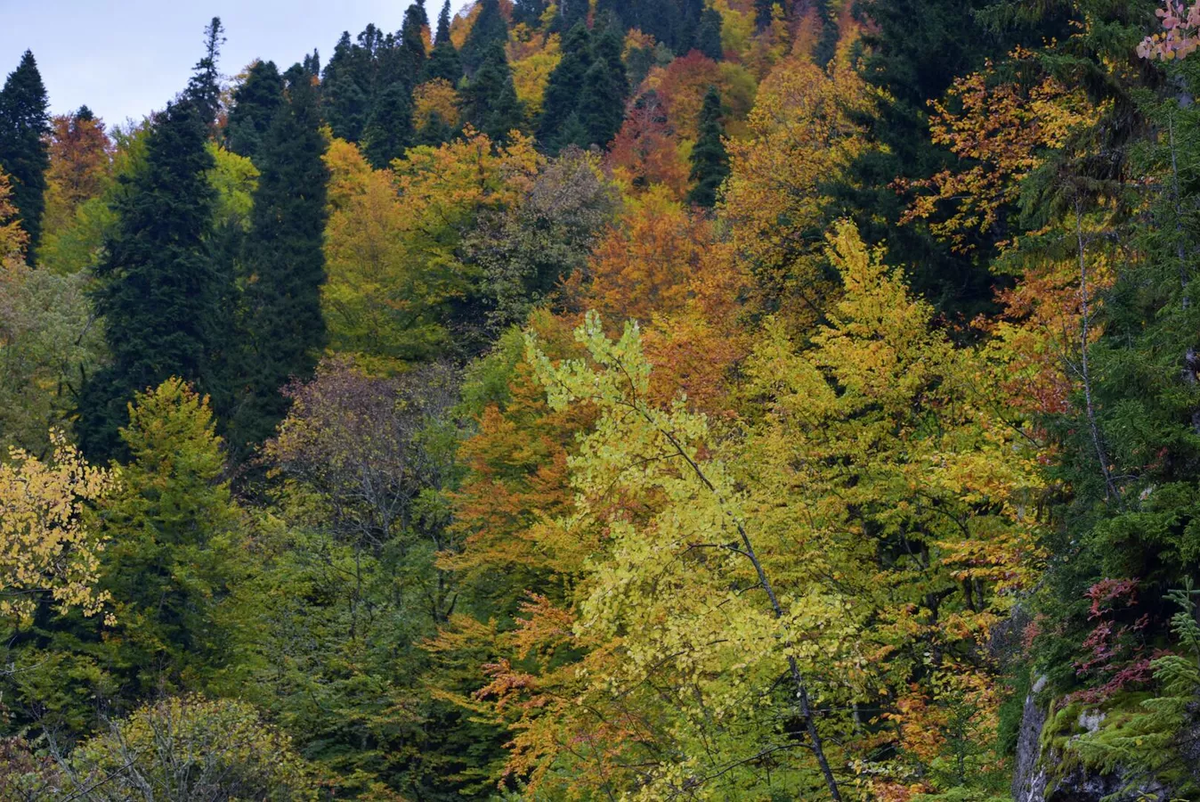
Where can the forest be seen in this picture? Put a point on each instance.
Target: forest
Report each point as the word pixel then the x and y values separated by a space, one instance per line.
pixel 613 399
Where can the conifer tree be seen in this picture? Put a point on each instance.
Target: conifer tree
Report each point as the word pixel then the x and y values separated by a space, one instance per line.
pixel 708 37
pixel 490 100
pixel 156 287
pixel 204 88
pixel 412 44
pixel 344 96
pixel 254 106
pixel 528 12
pixel 601 104
pixel 489 28
pixel 284 328
pixel 436 131
pixel 710 162
pixel 24 148
pixel 570 14
pixel 312 64
pixel 566 84
pixel 390 128
pixel 444 61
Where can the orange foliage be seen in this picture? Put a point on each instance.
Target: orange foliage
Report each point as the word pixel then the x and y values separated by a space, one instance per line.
pixel 645 152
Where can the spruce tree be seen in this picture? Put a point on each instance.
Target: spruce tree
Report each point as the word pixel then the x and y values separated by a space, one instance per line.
pixel 255 103
pixel 572 133
pixel 390 128
pixel 710 161
pixel 444 61
pixel 490 100
pixel 204 88
pixel 344 91
pixel 570 14
pixel 412 44
pixel 24 148
pixel 156 287
pixel 436 131
pixel 708 37
pixel 565 86
pixel 312 64
pixel 529 12
pixel 601 105
pixel 489 28
pixel 284 328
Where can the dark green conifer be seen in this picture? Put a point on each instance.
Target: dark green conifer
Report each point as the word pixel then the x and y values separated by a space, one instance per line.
pixel 156 285
pixel 444 61
pixel 601 104
pixel 710 161
pixel 572 133
pixel 565 86
pixel 708 37
pixel 489 28
pixel 436 131
pixel 412 44
pixel 312 64
pixel 204 88
pixel 285 265
pixel 344 93
pixel 528 12
pixel 255 103
pixel 24 148
pixel 390 129
pixel 490 100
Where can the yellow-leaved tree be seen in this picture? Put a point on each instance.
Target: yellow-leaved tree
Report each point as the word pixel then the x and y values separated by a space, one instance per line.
pixel 45 546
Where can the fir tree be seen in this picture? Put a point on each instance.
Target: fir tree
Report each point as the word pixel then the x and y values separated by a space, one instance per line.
pixel 444 61
pixel 390 129
pixel 204 88
pixel 24 150
pixel 572 133
pixel 344 96
pixel 601 105
pixel 436 131
pixel 528 12
pixel 490 100
pixel 764 12
pixel 156 286
pixel 708 37
pixel 254 106
pixel 710 162
pixel 566 84
pixel 570 14
pixel 312 64
pixel 489 28
pixel 412 44
pixel 284 328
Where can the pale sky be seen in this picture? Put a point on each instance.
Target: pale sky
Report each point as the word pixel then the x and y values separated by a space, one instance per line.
pixel 126 58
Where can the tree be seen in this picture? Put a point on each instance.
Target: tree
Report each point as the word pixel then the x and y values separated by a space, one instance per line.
pixel 708 36
pixel 490 101
pixel 710 162
pixel 204 87
pixel 156 288
pixel 47 549
pixel 389 129
pixel 24 153
pixel 345 91
pixel 80 167
pixel 488 30
pixel 13 238
pixel 444 62
pixel 412 44
pixel 284 327
pixel 190 748
pixel 255 103
pixel 566 85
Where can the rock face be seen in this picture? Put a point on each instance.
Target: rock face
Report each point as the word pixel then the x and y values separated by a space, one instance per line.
pixel 1036 780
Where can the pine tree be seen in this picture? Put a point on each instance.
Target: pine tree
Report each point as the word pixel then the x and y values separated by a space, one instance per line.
pixel 204 88
pixel 156 286
pixel 24 149
pixel 566 84
pixel 254 106
pixel 489 28
pixel 708 37
pixel 490 100
pixel 344 96
pixel 284 328
pixel 390 129
pixel 444 61
pixel 710 162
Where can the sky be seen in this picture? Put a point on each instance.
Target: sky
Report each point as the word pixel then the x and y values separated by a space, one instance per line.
pixel 126 58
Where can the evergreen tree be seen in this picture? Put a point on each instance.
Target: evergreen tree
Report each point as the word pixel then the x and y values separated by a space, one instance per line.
pixel 156 286
pixel 254 106
pixel 390 129
pixel 286 264
pixel 601 104
pixel 566 84
pixel 344 96
pixel 710 162
pixel 489 28
pixel 689 26
pixel 204 88
pixel 24 149
pixel 764 12
pixel 528 12
pixel 436 131
pixel 412 44
pixel 312 64
pixel 572 133
pixel 490 100
pixel 708 37
pixel 570 14
pixel 444 61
